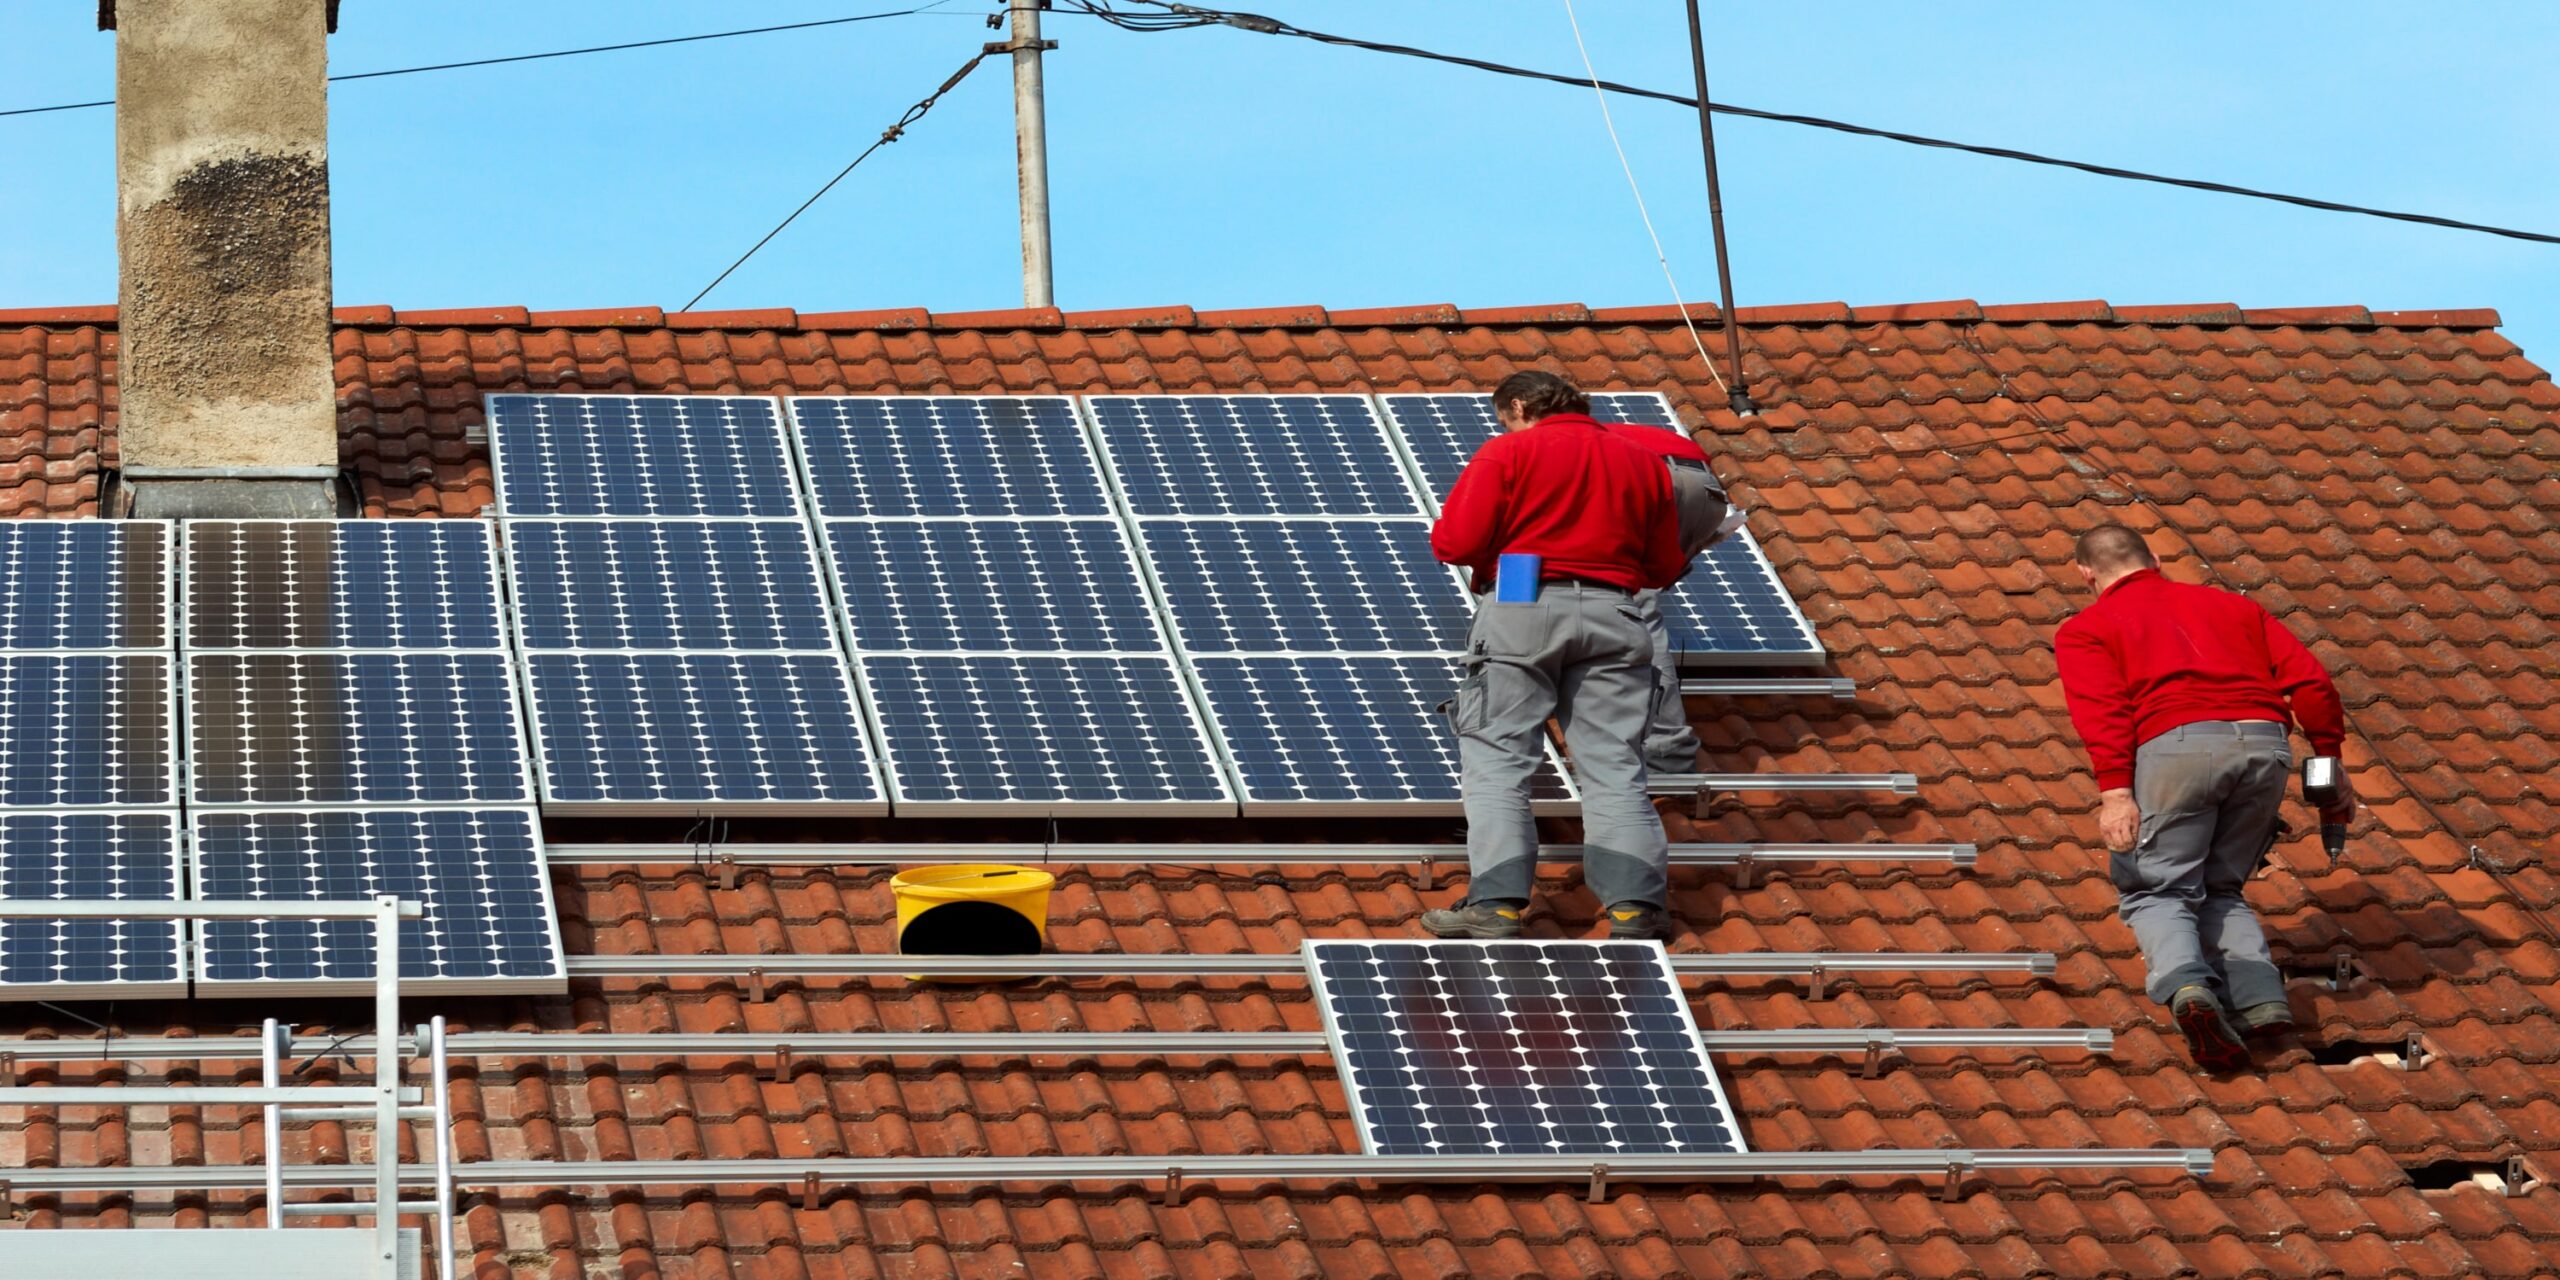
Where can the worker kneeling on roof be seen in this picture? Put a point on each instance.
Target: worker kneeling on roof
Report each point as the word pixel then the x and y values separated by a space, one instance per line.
pixel 1579 521
pixel 2181 694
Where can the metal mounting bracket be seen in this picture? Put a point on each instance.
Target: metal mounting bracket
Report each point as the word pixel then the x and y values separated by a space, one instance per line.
pixel 1817 982
pixel 728 864
pixel 755 985
pixel 782 1064
pixel 1599 1191
pixel 2343 970
pixel 2413 1055
pixel 1173 1187
pixel 1745 869
pixel 809 1191
pixel 1953 1190
pixel 1875 1061
pixel 1430 878
pixel 2517 1178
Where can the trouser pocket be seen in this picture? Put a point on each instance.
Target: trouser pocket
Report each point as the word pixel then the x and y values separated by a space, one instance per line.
pixel 1466 709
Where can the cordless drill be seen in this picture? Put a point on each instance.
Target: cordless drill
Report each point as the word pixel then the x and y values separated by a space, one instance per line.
pixel 2324 786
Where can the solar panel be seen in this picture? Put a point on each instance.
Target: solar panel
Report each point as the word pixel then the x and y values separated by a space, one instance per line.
pixel 1000 621
pixel 1298 455
pixel 1730 609
pixel 50 856
pixel 947 456
pixel 87 729
pixel 342 584
pixel 1317 735
pixel 1306 586
pixel 667 584
pixel 1038 586
pixel 84 584
pixel 354 728
pixel 616 455
pixel 1512 1048
pixel 970 733
pixel 489 923
pixel 699 731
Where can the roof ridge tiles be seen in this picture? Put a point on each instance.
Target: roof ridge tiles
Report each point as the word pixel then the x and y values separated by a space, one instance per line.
pixel 764 318
pixel 601 318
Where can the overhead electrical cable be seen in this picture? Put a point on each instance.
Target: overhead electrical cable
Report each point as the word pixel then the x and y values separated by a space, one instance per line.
pixel 555 53
pixel 1178 17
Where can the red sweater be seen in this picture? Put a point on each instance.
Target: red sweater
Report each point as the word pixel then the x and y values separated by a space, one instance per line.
pixel 1658 441
pixel 2152 654
pixel 1590 505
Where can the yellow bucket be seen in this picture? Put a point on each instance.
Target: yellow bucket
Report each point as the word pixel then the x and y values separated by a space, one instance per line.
pixel 976 909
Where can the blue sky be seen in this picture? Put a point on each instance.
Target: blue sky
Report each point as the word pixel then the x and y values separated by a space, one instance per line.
pixel 1220 168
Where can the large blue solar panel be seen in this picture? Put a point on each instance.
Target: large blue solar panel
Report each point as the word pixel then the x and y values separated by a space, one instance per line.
pixel 1730 609
pixel 947 456
pixel 354 729
pixel 1306 586
pixel 342 584
pixel 667 584
pixel 976 733
pixel 699 732
pixel 87 730
pixel 1518 1048
pixel 615 455
pixel 51 856
pixel 1036 586
pixel 1341 735
pixel 1297 455
pixel 479 873
pixel 84 584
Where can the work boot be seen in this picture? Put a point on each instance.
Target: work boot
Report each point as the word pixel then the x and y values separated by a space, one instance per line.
pixel 2274 1018
pixel 2216 1044
pixel 1635 921
pixel 1499 919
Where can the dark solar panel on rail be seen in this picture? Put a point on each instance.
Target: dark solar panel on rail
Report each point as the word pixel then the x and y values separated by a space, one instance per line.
pixel 84 584
pixel 618 455
pixel 93 856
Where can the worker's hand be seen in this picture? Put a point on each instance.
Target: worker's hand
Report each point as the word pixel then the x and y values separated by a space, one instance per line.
pixel 2119 821
pixel 2344 811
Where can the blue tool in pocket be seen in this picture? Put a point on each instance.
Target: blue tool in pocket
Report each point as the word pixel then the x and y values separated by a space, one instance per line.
pixel 1515 579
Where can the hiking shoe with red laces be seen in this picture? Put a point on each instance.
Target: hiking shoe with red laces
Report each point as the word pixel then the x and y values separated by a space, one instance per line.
pixel 2216 1044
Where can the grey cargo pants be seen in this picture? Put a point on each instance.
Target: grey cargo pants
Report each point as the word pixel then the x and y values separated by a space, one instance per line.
pixel 1670 745
pixel 2209 794
pixel 1580 654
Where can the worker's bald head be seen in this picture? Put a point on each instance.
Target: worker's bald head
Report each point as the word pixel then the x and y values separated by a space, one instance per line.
pixel 2111 551
pixel 1532 394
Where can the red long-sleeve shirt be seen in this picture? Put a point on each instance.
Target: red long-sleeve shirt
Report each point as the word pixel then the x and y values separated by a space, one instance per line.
pixel 2151 654
pixel 1588 504
pixel 1658 441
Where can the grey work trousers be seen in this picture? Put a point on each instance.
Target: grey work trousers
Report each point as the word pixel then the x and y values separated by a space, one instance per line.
pixel 2209 794
pixel 1670 745
pixel 1579 654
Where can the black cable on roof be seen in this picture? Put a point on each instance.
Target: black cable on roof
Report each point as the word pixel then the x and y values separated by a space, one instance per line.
pixel 555 53
pixel 1179 17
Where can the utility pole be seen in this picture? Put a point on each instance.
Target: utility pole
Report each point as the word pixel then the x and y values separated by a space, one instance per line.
pixel 1715 216
pixel 1031 149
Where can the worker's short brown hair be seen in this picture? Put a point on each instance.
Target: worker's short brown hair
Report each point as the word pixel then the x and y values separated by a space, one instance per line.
pixel 2112 548
pixel 1540 394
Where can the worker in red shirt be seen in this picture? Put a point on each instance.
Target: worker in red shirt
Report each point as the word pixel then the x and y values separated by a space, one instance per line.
pixel 1597 513
pixel 1706 516
pixel 2181 694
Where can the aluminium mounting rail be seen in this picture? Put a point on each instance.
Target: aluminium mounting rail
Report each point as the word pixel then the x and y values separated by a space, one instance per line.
pixel 900 1171
pixel 1681 784
pixel 1773 686
pixel 858 1044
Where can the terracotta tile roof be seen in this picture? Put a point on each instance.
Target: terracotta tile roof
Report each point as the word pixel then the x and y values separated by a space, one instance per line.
pixel 2385 480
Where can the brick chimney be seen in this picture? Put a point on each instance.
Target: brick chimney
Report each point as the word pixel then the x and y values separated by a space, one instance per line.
pixel 227 404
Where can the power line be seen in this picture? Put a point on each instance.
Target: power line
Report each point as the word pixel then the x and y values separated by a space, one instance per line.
pixel 887 136
pixel 1179 17
pixel 555 53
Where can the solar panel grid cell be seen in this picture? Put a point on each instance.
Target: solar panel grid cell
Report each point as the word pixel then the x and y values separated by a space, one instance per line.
pixel 902 456
pixel 90 856
pixel 351 584
pixel 667 584
pixel 1551 1048
pixel 662 456
pixel 95 729
pixel 1295 455
pixel 354 729
pixel 695 730
pixel 987 586
pixel 84 584
pixel 1306 586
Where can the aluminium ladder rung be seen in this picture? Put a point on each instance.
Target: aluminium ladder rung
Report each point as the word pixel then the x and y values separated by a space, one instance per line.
pixel 195 1096
pixel 1773 686
pixel 352 1208
pixel 356 1112
pixel 902 855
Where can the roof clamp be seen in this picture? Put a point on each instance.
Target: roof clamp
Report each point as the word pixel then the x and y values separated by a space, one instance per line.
pixel 1953 1190
pixel 9 1203
pixel 1745 869
pixel 782 1064
pixel 1699 806
pixel 1599 1191
pixel 2344 971
pixel 2518 1179
pixel 1430 874
pixel 2414 1055
pixel 8 1070
pixel 1875 1060
pixel 809 1191
pixel 755 984
pixel 1173 1187
pixel 1817 981
pixel 728 864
